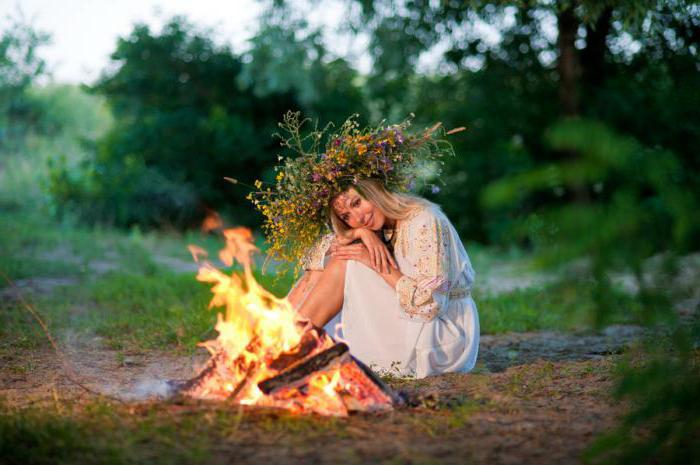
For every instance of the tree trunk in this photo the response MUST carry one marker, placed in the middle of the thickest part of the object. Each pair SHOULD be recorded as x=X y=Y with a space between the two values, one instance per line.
x=568 y=61
x=593 y=56
x=569 y=73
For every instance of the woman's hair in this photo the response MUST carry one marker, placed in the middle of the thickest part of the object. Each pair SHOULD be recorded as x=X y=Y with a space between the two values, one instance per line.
x=393 y=205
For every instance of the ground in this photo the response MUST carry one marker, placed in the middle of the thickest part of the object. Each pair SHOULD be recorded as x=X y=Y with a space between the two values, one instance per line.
x=127 y=312
x=534 y=397
x=539 y=410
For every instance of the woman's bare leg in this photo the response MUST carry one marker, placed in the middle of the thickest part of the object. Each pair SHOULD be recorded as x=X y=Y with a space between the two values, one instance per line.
x=302 y=287
x=326 y=298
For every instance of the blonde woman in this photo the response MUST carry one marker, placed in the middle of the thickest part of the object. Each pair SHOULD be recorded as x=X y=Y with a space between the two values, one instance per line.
x=390 y=267
x=408 y=312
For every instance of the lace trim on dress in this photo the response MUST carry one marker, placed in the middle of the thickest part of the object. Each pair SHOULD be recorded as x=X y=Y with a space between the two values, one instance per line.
x=314 y=258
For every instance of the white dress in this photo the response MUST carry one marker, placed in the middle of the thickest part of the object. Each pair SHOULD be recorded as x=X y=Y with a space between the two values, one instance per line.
x=426 y=326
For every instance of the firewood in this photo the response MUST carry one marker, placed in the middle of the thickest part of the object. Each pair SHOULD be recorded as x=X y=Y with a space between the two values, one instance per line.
x=319 y=362
x=298 y=353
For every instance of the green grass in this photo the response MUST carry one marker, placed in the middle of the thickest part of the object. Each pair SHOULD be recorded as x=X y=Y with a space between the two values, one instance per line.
x=122 y=292
x=558 y=306
x=143 y=305
x=98 y=434
x=33 y=245
x=130 y=311
x=134 y=303
x=162 y=433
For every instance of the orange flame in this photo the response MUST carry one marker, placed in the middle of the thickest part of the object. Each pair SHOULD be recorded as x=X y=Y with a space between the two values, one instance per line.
x=254 y=329
x=261 y=335
x=211 y=222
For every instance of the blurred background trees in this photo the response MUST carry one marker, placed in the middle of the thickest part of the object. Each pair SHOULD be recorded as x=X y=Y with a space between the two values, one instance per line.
x=189 y=112
x=20 y=66
x=509 y=72
x=583 y=125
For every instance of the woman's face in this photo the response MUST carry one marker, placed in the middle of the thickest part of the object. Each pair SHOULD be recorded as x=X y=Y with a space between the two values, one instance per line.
x=357 y=212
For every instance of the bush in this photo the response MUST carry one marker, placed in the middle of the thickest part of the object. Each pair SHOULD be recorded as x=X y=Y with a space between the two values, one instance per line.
x=125 y=195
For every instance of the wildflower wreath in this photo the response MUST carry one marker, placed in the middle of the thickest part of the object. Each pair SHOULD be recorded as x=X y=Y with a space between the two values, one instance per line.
x=296 y=208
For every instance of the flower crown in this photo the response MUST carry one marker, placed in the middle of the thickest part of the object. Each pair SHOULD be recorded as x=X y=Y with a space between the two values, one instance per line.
x=296 y=209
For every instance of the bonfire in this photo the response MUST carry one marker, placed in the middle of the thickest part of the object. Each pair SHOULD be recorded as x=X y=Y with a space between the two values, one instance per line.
x=267 y=355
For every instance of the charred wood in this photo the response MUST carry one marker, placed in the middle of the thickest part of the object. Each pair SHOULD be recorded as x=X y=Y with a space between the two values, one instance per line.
x=319 y=362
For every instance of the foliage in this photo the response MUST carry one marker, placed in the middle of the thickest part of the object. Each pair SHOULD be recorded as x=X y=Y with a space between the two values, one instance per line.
x=188 y=113
x=65 y=121
x=494 y=68
x=20 y=66
x=183 y=121
x=624 y=208
x=664 y=420
x=287 y=56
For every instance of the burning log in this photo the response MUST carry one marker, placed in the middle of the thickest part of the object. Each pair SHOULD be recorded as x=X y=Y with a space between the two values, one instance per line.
x=191 y=385
x=266 y=355
x=292 y=377
x=309 y=342
x=396 y=398
x=360 y=389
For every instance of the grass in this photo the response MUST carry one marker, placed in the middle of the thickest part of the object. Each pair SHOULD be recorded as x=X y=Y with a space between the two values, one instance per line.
x=123 y=294
x=118 y=286
x=564 y=306
x=97 y=433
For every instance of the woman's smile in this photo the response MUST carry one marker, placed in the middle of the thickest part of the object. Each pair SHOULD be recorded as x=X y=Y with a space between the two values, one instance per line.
x=357 y=212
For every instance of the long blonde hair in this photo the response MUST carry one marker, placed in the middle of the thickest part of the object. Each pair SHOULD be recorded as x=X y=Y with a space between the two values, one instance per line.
x=394 y=205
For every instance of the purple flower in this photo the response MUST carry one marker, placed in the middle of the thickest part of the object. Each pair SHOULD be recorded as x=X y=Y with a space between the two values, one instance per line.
x=337 y=142
x=411 y=184
x=434 y=189
x=316 y=177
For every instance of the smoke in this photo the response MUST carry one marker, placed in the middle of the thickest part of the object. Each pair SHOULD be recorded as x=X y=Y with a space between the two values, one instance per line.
x=147 y=389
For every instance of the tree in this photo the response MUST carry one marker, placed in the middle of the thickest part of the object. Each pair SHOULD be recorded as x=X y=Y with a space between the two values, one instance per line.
x=183 y=121
x=632 y=64
x=20 y=66
x=189 y=112
x=286 y=55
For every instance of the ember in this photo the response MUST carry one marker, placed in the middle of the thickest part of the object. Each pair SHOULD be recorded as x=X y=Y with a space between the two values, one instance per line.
x=267 y=355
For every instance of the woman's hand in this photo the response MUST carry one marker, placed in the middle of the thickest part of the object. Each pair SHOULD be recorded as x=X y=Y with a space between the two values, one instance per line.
x=380 y=258
x=379 y=254
x=357 y=252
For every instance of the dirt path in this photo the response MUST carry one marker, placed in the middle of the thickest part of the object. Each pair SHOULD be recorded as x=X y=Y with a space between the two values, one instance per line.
x=526 y=412
x=538 y=397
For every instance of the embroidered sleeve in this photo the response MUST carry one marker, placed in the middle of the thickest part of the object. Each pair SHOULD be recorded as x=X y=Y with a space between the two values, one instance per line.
x=424 y=290
x=314 y=258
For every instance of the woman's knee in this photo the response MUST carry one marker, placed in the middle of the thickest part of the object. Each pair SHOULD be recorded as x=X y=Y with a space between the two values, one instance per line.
x=336 y=265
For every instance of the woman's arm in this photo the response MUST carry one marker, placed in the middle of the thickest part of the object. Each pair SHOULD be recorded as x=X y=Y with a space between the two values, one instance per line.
x=359 y=252
x=379 y=254
x=424 y=289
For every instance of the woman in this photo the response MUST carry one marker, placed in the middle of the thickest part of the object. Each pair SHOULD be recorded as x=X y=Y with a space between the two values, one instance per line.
x=390 y=266
x=407 y=314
